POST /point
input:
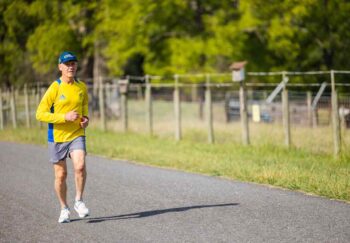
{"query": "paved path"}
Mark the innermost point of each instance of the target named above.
(134, 203)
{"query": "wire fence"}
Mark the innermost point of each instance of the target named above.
(204, 110)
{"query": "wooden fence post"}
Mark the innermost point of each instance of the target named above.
(13, 107)
(286, 118)
(101, 96)
(42, 92)
(1, 111)
(309, 107)
(149, 107)
(244, 114)
(37, 99)
(27, 106)
(209, 110)
(123, 89)
(108, 94)
(177, 109)
(335, 118)
(33, 97)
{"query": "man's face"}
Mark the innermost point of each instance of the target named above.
(68, 69)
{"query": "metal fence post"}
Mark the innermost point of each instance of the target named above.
(315, 102)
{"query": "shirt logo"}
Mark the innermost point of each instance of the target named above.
(62, 97)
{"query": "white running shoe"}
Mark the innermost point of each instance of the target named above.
(64, 216)
(81, 209)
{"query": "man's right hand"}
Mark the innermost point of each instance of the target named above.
(71, 116)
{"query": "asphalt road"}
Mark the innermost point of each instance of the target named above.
(135, 203)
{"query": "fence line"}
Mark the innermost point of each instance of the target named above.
(34, 86)
(9, 99)
(203, 75)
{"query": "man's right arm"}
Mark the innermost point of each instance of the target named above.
(43, 113)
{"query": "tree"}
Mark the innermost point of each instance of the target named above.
(123, 37)
(62, 26)
(16, 25)
(170, 36)
(304, 35)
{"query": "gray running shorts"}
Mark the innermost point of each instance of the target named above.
(60, 151)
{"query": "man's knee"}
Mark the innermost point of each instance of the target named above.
(61, 175)
(80, 169)
(78, 157)
(60, 172)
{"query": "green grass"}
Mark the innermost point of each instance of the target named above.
(297, 169)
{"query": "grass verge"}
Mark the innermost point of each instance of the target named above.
(294, 169)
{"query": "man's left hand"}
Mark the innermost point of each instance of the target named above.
(84, 121)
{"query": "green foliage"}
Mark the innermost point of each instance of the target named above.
(45, 46)
(304, 35)
(120, 27)
(17, 25)
(62, 26)
(172, 36)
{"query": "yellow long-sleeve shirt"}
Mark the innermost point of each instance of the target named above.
(59, 99)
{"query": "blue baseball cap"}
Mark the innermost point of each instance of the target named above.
(67, 56)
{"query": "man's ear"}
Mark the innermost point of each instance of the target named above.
(59, 67)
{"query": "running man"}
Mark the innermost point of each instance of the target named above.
(65, 108)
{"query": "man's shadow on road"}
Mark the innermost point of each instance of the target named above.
(151, 213)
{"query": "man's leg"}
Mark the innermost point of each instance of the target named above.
(78, 158)
(60, 182)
